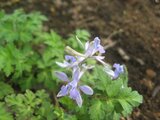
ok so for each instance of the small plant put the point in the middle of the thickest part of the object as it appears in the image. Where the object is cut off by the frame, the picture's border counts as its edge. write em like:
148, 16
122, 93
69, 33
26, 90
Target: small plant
115, 98
31, 106
27, 53
29, 74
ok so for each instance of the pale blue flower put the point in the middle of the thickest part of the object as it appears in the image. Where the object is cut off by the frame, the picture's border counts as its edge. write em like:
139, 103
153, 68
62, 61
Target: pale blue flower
98, 46
62, 76
76, 61
69, 60
72, 88
119, 69
93, 47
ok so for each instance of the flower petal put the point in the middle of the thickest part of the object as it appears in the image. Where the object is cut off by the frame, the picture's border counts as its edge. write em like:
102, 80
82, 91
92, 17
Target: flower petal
70, 58
62, 76
119, 67
79, 100
96, 42
101, 49
90, 50
76, 74
86, 45
97, 45
98, 57
63, 65
73, 93
73, 83
108, 70
63, 91
86, 89
118, 70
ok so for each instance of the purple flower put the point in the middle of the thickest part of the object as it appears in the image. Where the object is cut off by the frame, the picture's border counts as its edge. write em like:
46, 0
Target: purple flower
62, 76
93, 47
69, 60
114, 74
76, 61
118, 70
72, 88
86, 89
97, 45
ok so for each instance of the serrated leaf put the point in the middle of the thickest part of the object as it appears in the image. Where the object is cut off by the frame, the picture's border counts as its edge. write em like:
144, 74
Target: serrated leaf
101, 78
96, 110
82, 35
127, 108
70, 117
136, 98
114, 88
31, 105
5, 89
125, 101
67, 102
4, 114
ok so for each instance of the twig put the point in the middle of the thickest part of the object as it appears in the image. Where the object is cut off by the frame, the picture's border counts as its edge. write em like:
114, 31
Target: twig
108, 40
155, 91
115, 33
55, 99
123, 54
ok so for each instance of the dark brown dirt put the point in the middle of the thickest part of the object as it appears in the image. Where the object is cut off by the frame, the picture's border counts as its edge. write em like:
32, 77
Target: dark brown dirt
139, 21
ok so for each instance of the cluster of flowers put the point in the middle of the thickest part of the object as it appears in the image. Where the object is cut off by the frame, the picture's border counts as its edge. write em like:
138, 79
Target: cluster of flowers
76, 61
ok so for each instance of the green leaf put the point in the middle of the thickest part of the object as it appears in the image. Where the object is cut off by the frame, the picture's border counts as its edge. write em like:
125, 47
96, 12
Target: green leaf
127, 108
26, 82
102, 80
124, 100
120, 98
31, 105
4, 114
67, 103
114, 91
96, 110
20, 26
5, 89
83, 36
47, 110
70, 117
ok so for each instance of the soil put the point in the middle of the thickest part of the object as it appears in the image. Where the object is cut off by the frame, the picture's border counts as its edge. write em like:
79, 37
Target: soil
132, 24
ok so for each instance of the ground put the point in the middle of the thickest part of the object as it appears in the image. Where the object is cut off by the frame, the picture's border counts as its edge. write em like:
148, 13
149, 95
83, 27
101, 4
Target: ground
129, 27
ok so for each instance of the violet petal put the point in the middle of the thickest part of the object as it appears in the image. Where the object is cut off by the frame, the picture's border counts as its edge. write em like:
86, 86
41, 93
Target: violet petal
73, 93
96, 42
86, 89
63, 65
79, 100
62, 76
76, 73
70, 58
63, 91
101, 49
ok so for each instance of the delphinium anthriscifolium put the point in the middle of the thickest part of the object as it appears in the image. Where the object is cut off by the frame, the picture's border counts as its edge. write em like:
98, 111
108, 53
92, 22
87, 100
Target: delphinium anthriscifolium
27, 59
76, 61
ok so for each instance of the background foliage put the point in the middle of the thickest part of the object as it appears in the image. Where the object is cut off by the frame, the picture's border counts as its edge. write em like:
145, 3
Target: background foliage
28, 86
